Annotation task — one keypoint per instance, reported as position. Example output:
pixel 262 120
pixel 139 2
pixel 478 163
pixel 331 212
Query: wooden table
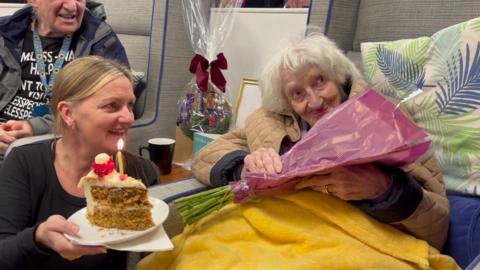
pixel 178 173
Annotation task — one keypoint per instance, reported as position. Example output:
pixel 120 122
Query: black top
pixel 30 193
pixel 32 93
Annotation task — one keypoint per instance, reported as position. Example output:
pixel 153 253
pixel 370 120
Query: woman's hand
pixel 12 130
pixel 50 234
pixel 357 182
pixel 263 160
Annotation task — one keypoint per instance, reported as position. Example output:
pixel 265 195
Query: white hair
pixel 314 50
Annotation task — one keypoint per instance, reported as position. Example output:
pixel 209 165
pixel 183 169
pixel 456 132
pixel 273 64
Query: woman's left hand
pixel 51 234
pixel 356 182
pixel 12 130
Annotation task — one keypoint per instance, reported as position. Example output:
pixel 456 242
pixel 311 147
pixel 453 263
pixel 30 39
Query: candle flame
pixel 120 144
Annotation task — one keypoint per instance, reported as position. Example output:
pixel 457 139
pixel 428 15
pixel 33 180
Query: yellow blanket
pixel 305 230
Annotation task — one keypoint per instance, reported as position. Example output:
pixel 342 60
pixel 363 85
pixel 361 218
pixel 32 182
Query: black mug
pixel 161 153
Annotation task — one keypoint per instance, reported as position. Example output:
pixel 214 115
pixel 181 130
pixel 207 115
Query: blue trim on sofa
pixel 145 98
pixel 475 264
pixel 162 61
pixel 329 17
pixel 185 193
pixel 309 12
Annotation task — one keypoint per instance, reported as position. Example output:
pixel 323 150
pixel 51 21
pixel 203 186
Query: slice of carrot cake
pixel 114 200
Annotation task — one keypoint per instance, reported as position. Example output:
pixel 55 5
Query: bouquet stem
pixel 194 207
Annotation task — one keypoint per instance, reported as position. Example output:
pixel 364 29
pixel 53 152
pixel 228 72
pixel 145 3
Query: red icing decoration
pixel 123 177
pixel 103 169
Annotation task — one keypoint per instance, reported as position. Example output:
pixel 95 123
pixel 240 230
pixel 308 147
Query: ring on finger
pixel 325 190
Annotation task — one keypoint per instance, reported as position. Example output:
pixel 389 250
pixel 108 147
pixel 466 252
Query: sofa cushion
pixel 446 67
pixel 464 241
pixel 380 20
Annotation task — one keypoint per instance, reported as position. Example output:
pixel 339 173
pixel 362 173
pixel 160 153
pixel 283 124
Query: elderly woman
pixel 36 42
pixel 92 104
pixel 341 227
pixel 300 85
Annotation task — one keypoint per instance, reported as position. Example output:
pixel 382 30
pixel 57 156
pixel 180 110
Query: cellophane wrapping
pixel 205 106
pixel 366 128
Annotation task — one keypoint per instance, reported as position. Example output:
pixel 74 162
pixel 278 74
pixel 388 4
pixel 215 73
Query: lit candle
pixel 119 156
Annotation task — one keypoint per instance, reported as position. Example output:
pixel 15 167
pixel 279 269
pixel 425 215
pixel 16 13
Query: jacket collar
pixel 13 28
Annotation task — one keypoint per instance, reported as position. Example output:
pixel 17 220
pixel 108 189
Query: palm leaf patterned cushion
pixel 445 70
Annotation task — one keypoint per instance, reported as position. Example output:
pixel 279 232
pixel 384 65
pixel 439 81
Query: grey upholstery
pixel 135 33
pixel 351 22
pixel 341 20
pixel 154 36
pixel 391 20
pixel 355 21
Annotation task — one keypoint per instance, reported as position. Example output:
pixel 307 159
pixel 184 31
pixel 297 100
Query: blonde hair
pixel 82 78
pixel 314 50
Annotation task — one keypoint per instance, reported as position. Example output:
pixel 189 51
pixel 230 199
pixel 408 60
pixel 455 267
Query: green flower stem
pixel 194 207
pixel 200 215
pixel 196 201
pixel 207 193
pixel 200 207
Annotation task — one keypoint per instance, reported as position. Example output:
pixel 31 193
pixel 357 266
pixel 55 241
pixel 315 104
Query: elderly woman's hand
pixel 50 234
pixel 357 182
pixel 263 160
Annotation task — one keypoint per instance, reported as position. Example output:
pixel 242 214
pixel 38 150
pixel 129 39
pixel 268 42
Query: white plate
pixel 157 240
pixel 92 235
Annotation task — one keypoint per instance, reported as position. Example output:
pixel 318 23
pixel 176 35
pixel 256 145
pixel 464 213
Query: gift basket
pixel 205 106
pixel 366 128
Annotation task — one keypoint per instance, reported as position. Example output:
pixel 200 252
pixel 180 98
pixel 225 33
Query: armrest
pixel 28 140
pixel 171 191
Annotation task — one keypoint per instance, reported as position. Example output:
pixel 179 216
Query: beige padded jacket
pixel 429 221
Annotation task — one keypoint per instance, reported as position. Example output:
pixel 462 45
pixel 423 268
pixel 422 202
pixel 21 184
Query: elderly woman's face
pixel 57 18
pixel 309 93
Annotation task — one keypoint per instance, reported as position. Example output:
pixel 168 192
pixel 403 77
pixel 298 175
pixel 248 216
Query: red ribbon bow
pixel 199 65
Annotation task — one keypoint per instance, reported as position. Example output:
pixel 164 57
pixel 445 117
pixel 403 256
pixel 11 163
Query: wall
pixel 8 9
pixel 255 36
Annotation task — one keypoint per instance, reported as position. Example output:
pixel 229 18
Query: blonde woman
pixel 92 105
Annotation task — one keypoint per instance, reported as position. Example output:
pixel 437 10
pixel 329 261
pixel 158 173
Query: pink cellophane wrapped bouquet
pixel 366 128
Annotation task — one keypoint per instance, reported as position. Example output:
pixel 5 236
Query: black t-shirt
pixel 32 92
pixel 31 192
